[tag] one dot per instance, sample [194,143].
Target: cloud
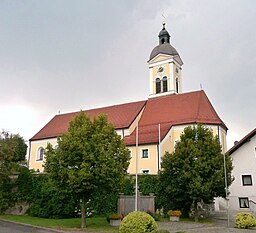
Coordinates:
[67,56]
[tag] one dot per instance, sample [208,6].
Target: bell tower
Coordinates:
[165,68]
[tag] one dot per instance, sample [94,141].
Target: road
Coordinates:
[7,227]
[172,227]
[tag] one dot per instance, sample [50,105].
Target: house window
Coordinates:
[144,153]
[145,171]
[40,154]
[247,180]
[243,202]
[164,84]
[158,85]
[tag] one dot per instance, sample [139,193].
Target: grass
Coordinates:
[93,224]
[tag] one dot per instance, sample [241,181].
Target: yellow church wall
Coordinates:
[149,163]
[34,147]
[171,138]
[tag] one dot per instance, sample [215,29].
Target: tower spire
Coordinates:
[164,36]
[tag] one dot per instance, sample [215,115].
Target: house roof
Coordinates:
[121,116]
[241,142]
[187,108]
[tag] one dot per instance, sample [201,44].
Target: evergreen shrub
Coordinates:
[136,222]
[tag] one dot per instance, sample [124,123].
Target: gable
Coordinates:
[188,108]
[160,57]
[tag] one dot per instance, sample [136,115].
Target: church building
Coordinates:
[161,118]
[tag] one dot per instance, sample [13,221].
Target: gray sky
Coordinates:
[60,55]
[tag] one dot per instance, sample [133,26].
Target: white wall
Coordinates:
[244,163]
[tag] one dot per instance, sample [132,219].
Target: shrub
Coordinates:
[136,222]
[245,220]
[176,213]
[51,202]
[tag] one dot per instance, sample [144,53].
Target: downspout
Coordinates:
[158,157]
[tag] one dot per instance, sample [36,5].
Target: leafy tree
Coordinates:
[194,172]
[12,152]
[12,155]
[90,158]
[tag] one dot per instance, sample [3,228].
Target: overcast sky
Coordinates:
[63,55]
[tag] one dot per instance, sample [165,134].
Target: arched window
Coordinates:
[40,154]
[162,41]
[177,85]
[158,86]
[164,84]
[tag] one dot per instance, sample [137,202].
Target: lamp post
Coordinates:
[226,187]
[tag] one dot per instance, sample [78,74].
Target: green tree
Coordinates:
[90,158]
[194,172]
[12,153]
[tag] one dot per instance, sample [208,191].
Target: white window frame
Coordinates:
[145,169]
[38,153]
[142,153]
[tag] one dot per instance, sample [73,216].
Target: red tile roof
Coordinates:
[241,142]
[121,116]
[193,107]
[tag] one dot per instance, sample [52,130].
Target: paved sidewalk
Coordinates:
[191,227]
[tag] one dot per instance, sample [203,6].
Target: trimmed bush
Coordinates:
[136,222]
[245,220]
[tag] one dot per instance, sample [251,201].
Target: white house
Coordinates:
[242,195]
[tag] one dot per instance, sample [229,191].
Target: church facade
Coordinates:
[161,118]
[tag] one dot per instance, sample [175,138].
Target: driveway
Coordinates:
[191,227]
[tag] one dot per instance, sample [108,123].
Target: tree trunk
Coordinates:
[83,225]
[196,212]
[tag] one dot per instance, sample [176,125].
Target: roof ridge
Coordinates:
[104,107]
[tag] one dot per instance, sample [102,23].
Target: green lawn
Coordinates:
[93,224]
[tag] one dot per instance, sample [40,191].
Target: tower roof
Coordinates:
[164,46]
